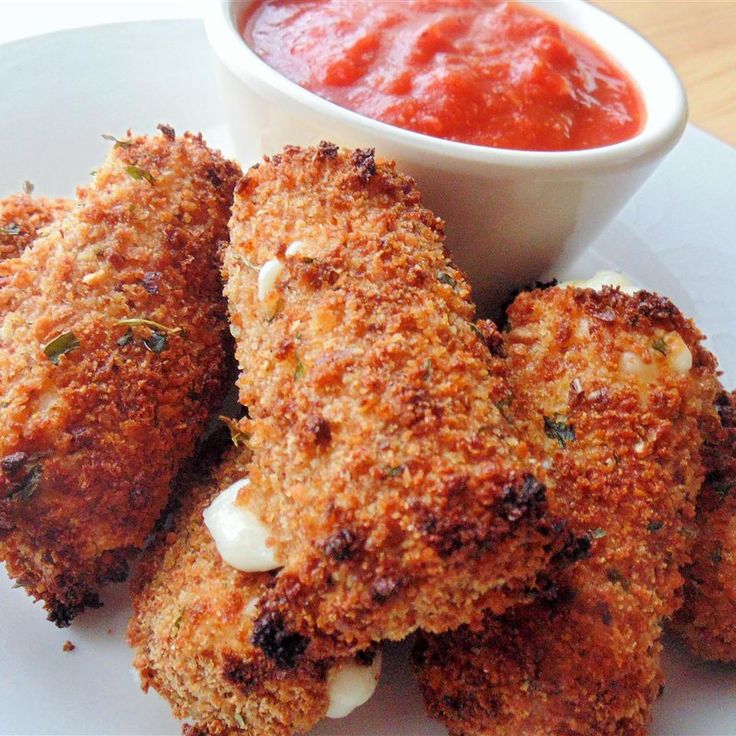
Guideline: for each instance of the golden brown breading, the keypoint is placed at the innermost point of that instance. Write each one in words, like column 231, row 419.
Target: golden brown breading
column 98, row 413
column 191, row 627
column 382, row 467
column 602, row 396
column 707, row 619
column 21, row 219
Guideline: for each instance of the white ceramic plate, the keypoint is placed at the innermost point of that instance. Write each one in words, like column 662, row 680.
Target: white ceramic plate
column 59, row 93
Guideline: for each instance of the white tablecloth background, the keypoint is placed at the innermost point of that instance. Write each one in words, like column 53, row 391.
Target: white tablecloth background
column 23, row 18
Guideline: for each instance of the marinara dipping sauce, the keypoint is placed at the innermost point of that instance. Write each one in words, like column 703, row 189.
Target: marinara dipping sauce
column 491, row 73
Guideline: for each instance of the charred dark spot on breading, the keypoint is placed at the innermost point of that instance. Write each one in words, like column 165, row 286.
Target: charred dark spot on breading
column 726, row 410
column 319, row 428
column 213, row 177
column 13, row 463
column 574, row 548
column 655, row 307
column 342, row 545
column 150, row 281
column 327, row 150
column 279, row 644
column 114, row 565
column 553, row 594
column 526, row 499
column 364, row 163
column 605, row 612
column 384, row 588
column 167, row 131
column 62, row 614
column 452, row 702
column 246, row 676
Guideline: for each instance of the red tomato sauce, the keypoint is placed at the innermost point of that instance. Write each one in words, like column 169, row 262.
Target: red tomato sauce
column 491, row 73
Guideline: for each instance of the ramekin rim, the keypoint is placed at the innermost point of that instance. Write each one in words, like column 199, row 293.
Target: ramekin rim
column 648, row 144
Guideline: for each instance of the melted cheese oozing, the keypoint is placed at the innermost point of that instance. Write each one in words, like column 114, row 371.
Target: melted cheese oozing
column 267, row 277
column 677, row 358
column 601, row 279
column 351, row 684
column 240, row 537
column 296, row 247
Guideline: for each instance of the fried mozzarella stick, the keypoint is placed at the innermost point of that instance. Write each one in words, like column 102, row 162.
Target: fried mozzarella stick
column 192, row 621
column 610, row 392
column 707, row 620
column 385, row 485
column 112, row 358
column 21, row 219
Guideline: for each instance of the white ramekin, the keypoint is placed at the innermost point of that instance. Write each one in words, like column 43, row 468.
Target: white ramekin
column 511, row 215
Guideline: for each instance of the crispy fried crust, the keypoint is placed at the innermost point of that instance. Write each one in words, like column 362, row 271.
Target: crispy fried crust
column 707, row 620
column 89, row 444
column 381, row 464
column 21, row 219
column 192, row 623
column 622, row 452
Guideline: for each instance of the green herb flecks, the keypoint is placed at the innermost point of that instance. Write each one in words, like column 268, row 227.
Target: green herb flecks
column 157, row 342
column 655, row 525
column 394, row 471
column 598, row 533
column 724, row 487
column 558, row 429
column 239, row 720
column 444, row 278
column 12, row 228
column 143, row 322
column 427, row 366
column 477, row 331
column 247, row 261
column 117, row 141
column 503, row 407
column 60, row 345
column 126, row 338
column 717, row 554
column 137, row 173
column 237, row 436
column 28, row 485
column 177, row 622
column 660, row 346
column 299, row 370
column 28, row 188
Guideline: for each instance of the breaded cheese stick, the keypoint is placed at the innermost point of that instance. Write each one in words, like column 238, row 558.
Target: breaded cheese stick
column 609, row 391
column 192, row 621
column 112, row 358
column 385, row 482
column 21, row 219
column 707, row 620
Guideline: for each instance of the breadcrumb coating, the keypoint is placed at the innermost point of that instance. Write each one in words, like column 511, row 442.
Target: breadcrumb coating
column 707, row 620
column 192, row 623
column 603, row 395
column 383, row 469
column 98, row 413
column 22, row 217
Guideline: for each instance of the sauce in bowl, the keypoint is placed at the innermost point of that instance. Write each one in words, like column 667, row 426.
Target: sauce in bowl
column 497, row 74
